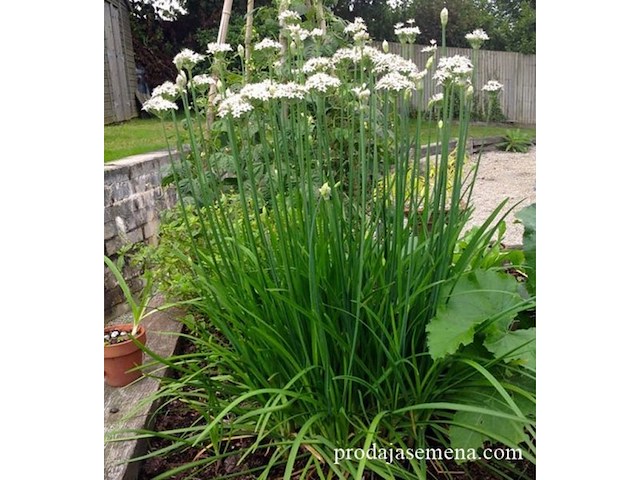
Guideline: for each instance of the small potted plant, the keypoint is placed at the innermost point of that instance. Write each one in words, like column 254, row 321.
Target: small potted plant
column 122, row 342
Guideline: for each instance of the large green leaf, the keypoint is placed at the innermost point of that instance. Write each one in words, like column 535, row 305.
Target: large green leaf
column 478, row 296
column 518, row 347
column 527, row 216
column 473, row 429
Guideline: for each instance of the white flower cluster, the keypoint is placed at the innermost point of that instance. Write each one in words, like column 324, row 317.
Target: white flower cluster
column 492, row 86
column 353, row 54
column 187, row 59
column 391, row 62
column 168, row 91
column 321, row 82
column 214, row 48
column 267, row 43
column 357, row 26
column 316, row 33
column 406, row 34
column 431, row 48
column 202, row 80
column 456, row 69
column 234, row 105
column 318, row 64
column 290, row 90
column 476, row 38
column 395, row 81
column 297, row 33
column 262, row 91
column 158, row 106
column 288, row 17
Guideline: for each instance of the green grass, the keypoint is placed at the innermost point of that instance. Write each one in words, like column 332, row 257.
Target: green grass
column 139, row 135
column 142, row 135
column 480, row 130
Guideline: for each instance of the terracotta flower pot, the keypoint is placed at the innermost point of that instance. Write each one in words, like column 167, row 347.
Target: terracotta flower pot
column 122, row 357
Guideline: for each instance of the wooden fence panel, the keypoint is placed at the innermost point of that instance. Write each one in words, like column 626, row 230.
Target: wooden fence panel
column 120, row 77
column 516, row 71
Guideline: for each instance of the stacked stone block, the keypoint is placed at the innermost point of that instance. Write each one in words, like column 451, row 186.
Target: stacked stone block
column 133, row 201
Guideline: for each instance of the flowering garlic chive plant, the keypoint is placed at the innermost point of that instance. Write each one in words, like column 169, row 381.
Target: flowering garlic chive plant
column 454, row 70
column 266, row 44
column 406, row 34
column 187, row 59
column 492, row 86
column 477, row 38
column 326, row 246
column 215, row 48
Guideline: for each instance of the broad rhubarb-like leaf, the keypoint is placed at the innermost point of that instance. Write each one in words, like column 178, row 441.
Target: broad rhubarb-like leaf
column 478, row 296
column 494, row 426
column 518, row 346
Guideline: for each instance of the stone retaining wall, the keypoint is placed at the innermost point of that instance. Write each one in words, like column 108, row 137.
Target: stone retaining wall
column 133, row 200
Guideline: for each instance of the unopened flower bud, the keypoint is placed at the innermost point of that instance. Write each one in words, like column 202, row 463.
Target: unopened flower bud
column 325, row 191
column 385, row 46
column 241, row 50
column 470, row 91
column 429, row 62
column 440, row 124
column 444, row 16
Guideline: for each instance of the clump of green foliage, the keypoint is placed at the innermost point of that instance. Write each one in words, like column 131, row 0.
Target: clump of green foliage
column 351, row 305
column 515, row 140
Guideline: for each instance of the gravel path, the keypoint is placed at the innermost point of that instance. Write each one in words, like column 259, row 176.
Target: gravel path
column 504, row 175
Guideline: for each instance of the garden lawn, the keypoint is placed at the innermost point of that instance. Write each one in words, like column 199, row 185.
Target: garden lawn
column 142, row 135
column 139, row 135
column 477, row 130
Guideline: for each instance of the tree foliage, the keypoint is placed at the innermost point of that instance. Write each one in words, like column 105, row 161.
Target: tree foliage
column 510, row 25
column 157, row 40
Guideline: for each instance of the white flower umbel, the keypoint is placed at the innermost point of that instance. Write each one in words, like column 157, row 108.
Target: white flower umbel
column 215, row 48
column 262, row 91
column 266, row 44
column 297, row 33
column 456, row 69
column 390, row 62
column 492, row 86
column 357, row 26
column 234, row 105
column 360, row 37
column 159, row 106
column 318, row 64
column 321, row 82
column 187, row 59
column 407, row 34
column 476, row 38
column 316, row 33
column 290, row 90
column 395, row 81
column 202, row 80
column 167, row 90
column 288, row 17
column 431, row 48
